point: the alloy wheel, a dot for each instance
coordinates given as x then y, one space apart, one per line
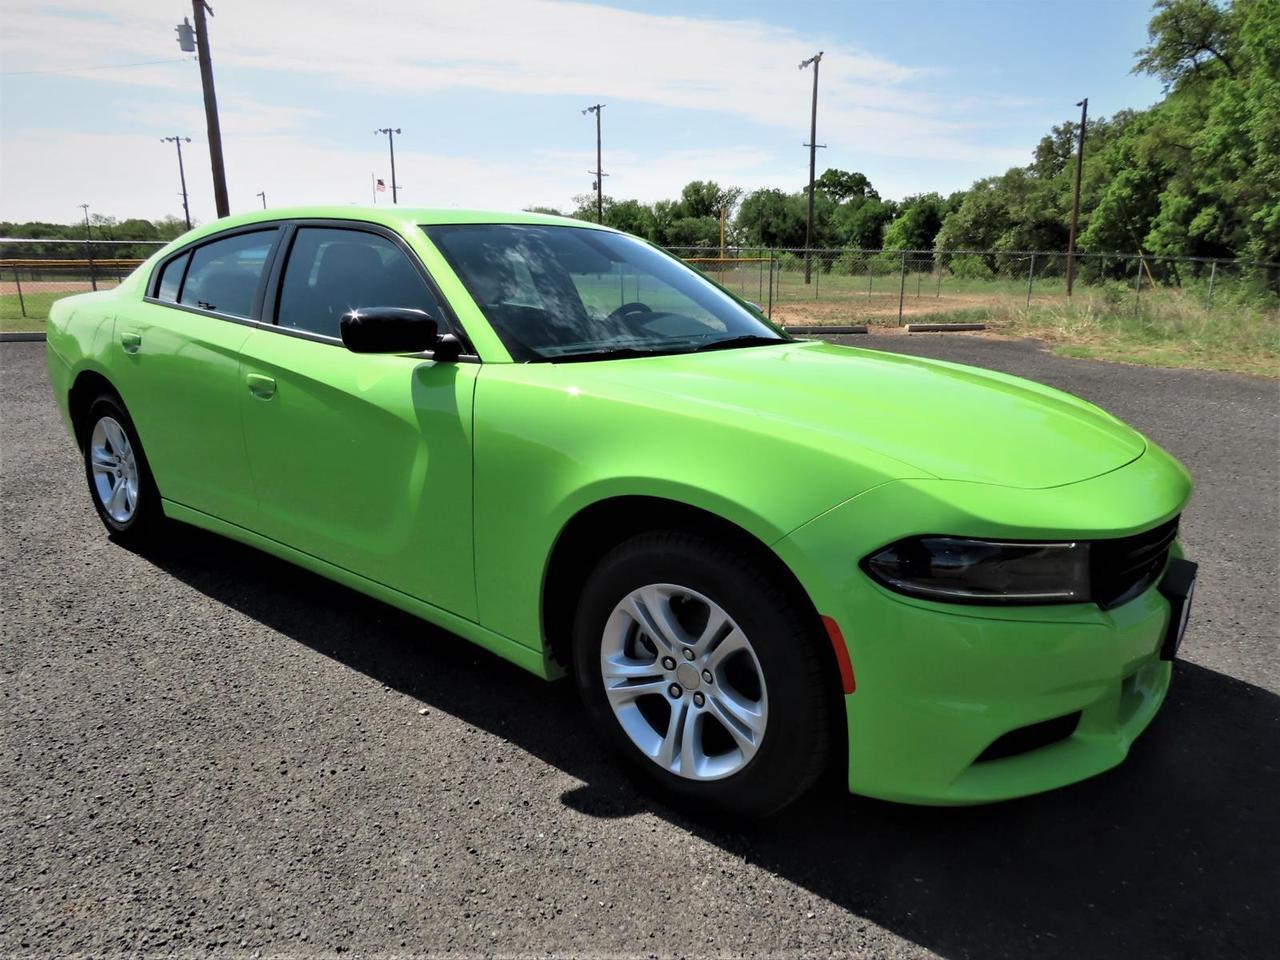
684 682
115 469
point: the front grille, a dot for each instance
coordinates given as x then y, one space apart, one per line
1122 569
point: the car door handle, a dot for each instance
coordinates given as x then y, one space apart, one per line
261 386
132 342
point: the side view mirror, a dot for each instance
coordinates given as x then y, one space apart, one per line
395 330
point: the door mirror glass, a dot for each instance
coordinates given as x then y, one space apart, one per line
388 330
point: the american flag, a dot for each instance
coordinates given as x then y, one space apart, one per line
380 186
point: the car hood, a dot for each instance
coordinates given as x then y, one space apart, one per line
945 420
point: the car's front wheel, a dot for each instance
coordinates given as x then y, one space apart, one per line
120 483
704 673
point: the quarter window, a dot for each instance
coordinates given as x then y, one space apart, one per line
171 278
224 275
331 271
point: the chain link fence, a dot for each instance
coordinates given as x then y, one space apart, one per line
794 287
36 272
797 287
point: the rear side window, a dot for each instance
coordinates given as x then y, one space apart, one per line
224 274
171 278
331 271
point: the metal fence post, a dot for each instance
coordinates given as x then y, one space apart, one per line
22 304
816 275
760 285
902 285
870 274
1031 276
93 277
770 314
1137 290
1213 274
938 293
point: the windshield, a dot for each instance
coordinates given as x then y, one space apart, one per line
562 293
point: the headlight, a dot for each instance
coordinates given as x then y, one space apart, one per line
959 570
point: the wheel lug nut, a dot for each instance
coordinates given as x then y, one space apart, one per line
706 675
688 654
699 699
675 691
668 663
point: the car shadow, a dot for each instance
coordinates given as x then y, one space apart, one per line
1174 853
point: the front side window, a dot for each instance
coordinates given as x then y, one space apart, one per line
224 274
331 271
568 293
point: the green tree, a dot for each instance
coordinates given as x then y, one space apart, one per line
771 218
917 224
1189 38
860 223
842 185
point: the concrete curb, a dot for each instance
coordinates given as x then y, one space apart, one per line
943 327
819 328
21 337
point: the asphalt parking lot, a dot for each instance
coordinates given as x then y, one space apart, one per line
206 750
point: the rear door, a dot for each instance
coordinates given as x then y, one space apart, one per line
362 460
178 370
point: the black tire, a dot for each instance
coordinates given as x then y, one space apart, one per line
146 522
796 745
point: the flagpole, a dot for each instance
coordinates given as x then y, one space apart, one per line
373 187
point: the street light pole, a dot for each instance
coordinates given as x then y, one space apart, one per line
1075 199
391 144
263 195
182 175
813 155
88 246
599 170
197 39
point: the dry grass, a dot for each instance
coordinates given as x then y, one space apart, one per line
1167 327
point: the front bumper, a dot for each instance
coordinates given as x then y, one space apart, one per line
938 684
918 725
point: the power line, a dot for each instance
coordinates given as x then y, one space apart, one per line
105 66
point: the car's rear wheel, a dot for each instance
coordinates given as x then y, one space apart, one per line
704 673
120 483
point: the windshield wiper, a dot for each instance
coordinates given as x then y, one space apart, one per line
748 340
613 353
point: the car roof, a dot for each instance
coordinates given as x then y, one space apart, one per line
388 215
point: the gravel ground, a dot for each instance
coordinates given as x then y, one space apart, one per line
208 751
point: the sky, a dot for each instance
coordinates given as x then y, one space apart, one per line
926 95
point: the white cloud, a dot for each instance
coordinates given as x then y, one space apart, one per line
871 106
145 182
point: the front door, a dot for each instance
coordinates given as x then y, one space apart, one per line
361 460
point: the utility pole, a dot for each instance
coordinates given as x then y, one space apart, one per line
1075 199
813 156
182 174
197 38
391 144
263 195
599 170
88 246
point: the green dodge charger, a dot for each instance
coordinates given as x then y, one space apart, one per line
757 556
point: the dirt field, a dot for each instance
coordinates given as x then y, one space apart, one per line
9 288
